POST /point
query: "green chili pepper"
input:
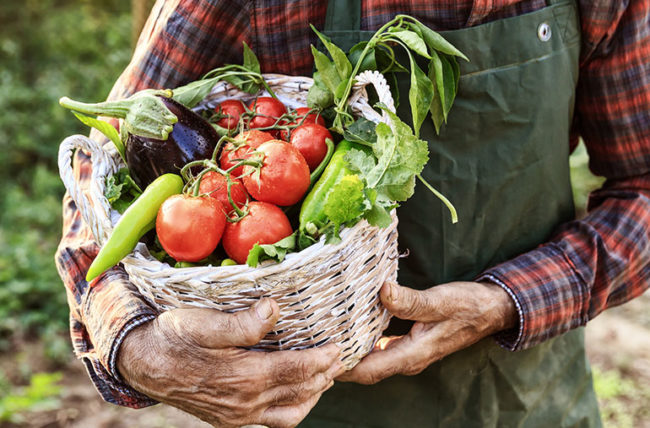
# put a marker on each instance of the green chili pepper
(137, 220)
(312, 215)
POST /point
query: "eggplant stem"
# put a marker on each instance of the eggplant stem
(116, 109)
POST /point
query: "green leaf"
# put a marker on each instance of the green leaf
(412, 40)
(361, 131)
(451, 71)
(105, 128)
(250, 60)
(121, 191)
(435, 41)
(436, 106)
(276, 251)
(340, 90)
(305, 240)
(369, 61)
(328, 73)
(192, 93)
(360, 162)
(319, 96)
(378, 216)
(341, 61)
(421, 94)
(398, 157)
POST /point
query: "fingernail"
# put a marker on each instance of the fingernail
(264, 309)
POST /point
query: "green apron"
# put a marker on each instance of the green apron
(503, 161)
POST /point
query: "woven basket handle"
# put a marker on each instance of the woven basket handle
(94, 209)
(381, 87)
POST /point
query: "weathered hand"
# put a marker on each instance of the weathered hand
(189, 358)
(449, 317)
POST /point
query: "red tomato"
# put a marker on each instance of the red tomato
(303, 117)
(311, 117)
(189, 228)
(232, 109)
(269, 109)
(309, 139)
(264, 224)
(284, 175)
(253, 139)
(216, 186)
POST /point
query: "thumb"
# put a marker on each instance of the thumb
(407, 303)
(211, 328)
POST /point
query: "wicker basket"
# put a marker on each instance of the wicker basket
(326, 293)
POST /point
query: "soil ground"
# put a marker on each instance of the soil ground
(618, 345)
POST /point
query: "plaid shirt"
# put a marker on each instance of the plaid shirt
(589, 265)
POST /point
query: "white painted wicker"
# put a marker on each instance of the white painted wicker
(326, 293)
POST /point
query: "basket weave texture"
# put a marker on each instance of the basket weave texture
(326, 293)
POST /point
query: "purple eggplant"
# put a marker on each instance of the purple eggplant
(162, 134)
(192, 138)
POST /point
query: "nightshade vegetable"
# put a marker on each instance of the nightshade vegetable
(155, 146)
(137, 220)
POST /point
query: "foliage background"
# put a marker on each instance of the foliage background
(48, 48)
(51, 48)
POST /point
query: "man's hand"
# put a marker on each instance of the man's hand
(189, 358)
(449, 317)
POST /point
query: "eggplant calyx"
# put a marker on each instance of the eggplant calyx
(145, 113)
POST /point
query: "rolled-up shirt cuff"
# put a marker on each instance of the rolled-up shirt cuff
(550, 296)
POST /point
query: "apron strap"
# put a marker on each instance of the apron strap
(343, 15)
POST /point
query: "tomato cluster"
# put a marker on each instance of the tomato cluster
(261, 166)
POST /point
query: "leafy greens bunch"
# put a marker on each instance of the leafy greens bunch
(384, 161)
(433, 91)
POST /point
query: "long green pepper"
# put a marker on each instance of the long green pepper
(137, 220)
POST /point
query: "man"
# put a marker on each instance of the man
(539, 77)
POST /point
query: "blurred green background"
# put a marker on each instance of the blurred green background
(48, 49)
(77, 48)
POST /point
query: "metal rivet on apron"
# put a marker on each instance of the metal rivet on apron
(544, 32)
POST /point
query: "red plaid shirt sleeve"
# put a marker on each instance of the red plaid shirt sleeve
(599, 261)
(103, 311)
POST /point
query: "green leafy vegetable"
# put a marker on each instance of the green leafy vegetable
(328, 74)
(121, 190)
(346, 201)
(341, 61)
(399, 155)
(434, 40)
(251, 62)
(413, 41)
(319, 96)
(421, 95)
(362, 131)
(276, 251)
(433, 93)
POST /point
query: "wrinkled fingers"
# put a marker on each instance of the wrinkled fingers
(290, 367)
